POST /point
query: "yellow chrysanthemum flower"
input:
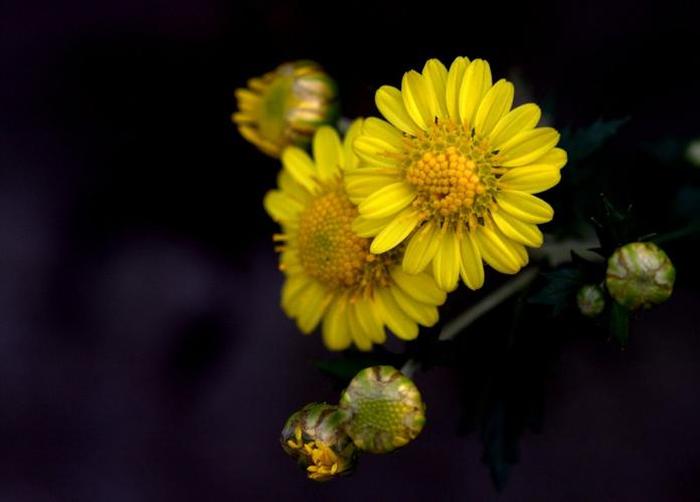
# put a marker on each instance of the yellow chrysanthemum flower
(331, 276)
(285, 106)
(452, 173)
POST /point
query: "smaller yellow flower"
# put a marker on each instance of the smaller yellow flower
(286, 106)
(331, 276)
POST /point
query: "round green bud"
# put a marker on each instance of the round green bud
(590, 300)
(315, 436)
(285, 106)
(385, 407)
(640, 274)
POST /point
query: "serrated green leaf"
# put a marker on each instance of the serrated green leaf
(582, 142)
(560, 287)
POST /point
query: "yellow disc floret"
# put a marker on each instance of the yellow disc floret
(328, 249)
(452, 171)
(330, 252)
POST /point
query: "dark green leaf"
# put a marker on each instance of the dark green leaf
(583, 142)
(560, 288)
(344, 368)
(614, 227)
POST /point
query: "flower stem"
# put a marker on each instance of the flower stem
(452, 328)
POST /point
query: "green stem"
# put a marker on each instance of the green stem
(687, 231)
(454, 327)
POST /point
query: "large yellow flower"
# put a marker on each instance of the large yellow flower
(331, 276)
(452, 173)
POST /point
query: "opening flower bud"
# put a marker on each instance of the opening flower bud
(385, 407)
(640, 274)
(285, 106)
(315, 436)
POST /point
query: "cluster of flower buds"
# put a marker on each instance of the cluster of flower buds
(639, 274)
(380, 410)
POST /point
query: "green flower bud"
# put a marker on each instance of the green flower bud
(386, 409)
(285, 106)
(590, 300)
(640, 274)
(692, 153)
(316, 437)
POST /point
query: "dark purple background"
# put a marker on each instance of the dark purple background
(143, 356)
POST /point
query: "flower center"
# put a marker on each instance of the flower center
(453, 172)
(331, 252)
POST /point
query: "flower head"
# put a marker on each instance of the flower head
(316, 437)
(385, 409)
(452, 172)
(285, 106)
(640, 274)
(331, 276)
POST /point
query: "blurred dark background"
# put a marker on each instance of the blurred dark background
(143, 356)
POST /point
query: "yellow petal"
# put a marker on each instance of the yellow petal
(494, 106)
(253, 135)
(395, 319)
(520, 119)
(447, 261)
(315, 300)
(472, 269)
(395, 232)
(244, 94)
(291, 187)
(422, 287)
(533, 178)
(421, 248)
(453, 85)
(290, 264)
(556, 158)
(497, 250)
(336, 329)
(357, 332)
(281, 207)
(384, 131)
(425, 315)
(369, 227)
(376, 152)
(415, 99)
(369, 319)
(390, 104)
(519, 231)
(522, 253)
(525, 207)
(327, 152)
(529, 146)
(300, 167)
(291, 291)
(476, 82)
(363, 182)
(435, 78)
(349, 160)
(389, 200)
